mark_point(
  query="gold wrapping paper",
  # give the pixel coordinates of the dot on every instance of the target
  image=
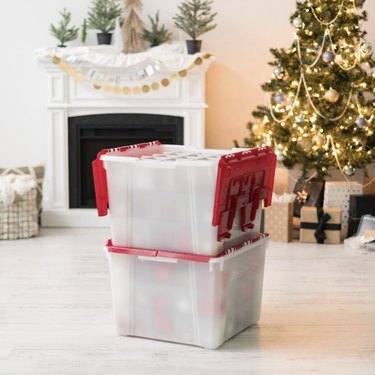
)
(278, 221)
(309, 215)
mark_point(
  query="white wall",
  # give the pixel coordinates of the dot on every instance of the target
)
(246, 30)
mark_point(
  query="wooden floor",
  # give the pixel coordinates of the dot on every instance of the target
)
(318, 314)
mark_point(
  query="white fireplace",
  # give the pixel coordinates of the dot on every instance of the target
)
(68, 97)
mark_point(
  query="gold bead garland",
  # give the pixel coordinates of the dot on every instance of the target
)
(128, 90)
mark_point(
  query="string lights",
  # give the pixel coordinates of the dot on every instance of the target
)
(316, 113)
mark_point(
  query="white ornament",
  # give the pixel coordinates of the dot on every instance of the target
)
(278, 72)
(297, 22)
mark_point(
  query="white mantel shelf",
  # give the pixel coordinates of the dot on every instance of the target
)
(67, 97)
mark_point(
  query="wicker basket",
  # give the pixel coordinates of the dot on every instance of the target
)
(19, 219)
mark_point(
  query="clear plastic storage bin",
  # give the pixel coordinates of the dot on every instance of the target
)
(187, 298)
(183, 199)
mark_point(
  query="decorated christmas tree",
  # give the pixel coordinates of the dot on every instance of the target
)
(133, 27)
(320, 110)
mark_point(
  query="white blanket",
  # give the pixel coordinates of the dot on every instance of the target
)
(172, 56)
(13, 185)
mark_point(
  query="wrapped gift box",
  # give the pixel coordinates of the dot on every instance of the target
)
(320, 226)
(310, 193)
(336, 194)
(359, 205)
(279, 219)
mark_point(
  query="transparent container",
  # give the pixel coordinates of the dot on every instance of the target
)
(182, 199)
(186, 298)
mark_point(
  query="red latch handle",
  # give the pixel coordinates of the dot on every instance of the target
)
(243, 180)
(100, 184)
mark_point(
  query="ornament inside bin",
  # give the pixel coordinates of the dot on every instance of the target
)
(320, 226)
(310, 193)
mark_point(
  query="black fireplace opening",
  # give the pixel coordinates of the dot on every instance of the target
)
(87, 135)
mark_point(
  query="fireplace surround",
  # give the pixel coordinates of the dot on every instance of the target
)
(68, 98)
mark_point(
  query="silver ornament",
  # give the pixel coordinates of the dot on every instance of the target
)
(279, 98)
(299, 120)
(328, 56)
(349, 170)
(332, 95)
(279, 72)
(361, 122)
(366, 49)
(297, 22)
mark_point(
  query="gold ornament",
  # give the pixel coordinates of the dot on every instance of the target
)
(79, 77)
(97, 86)
(198, 61)
(136, 90)
(107, 88)
(126, 90)
(71, 72)
(55, 60)
(63, 65)
(332, 95)
(155, 86)
(165, 82)
(182, 73)
(318, 140)
(145, 89)
(117, 90)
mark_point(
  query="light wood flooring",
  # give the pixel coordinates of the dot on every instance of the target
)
(318, 314)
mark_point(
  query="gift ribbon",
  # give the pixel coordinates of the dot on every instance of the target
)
(321, 226)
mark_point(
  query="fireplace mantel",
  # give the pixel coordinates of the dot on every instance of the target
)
(67, 97)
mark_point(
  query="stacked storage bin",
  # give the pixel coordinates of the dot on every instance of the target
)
(186, 256)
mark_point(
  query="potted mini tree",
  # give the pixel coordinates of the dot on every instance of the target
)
(158, 34)
(102, 16)
(195, 17)
(63, 33)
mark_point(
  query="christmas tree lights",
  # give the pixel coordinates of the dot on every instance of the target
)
(320, 110)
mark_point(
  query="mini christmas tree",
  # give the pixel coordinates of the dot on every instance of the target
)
(195, 17)
(133, 27)
(63, 33)
(158, 33)
(321, 103)
(102, 15)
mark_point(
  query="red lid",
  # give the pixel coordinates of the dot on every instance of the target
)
(181, 256)
(243, 180)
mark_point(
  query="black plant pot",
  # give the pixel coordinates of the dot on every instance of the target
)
(193, 46)
(104, 38)
(61, 46)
